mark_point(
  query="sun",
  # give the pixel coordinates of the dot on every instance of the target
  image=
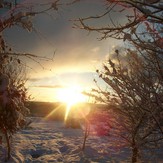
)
(70, 96)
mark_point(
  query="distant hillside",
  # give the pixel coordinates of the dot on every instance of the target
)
(42, 109)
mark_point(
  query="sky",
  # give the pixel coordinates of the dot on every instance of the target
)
(77, 53)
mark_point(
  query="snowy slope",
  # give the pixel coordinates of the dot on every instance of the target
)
(49, 141)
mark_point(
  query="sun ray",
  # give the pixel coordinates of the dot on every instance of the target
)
(53, 111)
(70, 96)
(68, 108)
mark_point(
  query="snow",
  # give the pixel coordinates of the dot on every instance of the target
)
(47, 141)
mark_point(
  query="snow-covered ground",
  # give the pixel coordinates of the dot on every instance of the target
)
(50, 141)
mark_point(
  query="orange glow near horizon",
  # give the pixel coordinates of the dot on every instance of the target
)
(70, 96)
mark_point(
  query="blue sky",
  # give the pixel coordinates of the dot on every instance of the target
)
(78, 53)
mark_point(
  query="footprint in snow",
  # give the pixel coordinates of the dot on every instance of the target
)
(63, 149)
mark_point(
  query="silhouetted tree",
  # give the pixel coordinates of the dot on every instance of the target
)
(135, 77)
(13, 96)
(135, 94)
(13, 93)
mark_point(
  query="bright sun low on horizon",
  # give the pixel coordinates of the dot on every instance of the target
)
(71, 95)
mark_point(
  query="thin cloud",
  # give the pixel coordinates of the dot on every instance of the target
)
(49, 86)
(34, 79)
(95, 50)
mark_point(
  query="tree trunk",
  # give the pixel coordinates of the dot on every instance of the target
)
(85, 135)
(134, 153)
(8, 145)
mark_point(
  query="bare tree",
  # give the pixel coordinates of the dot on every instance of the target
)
(135, 95)
(13, 93)
(13, 96)
(141, 27)
(22, 14)
(136, 83)
(136, 14)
